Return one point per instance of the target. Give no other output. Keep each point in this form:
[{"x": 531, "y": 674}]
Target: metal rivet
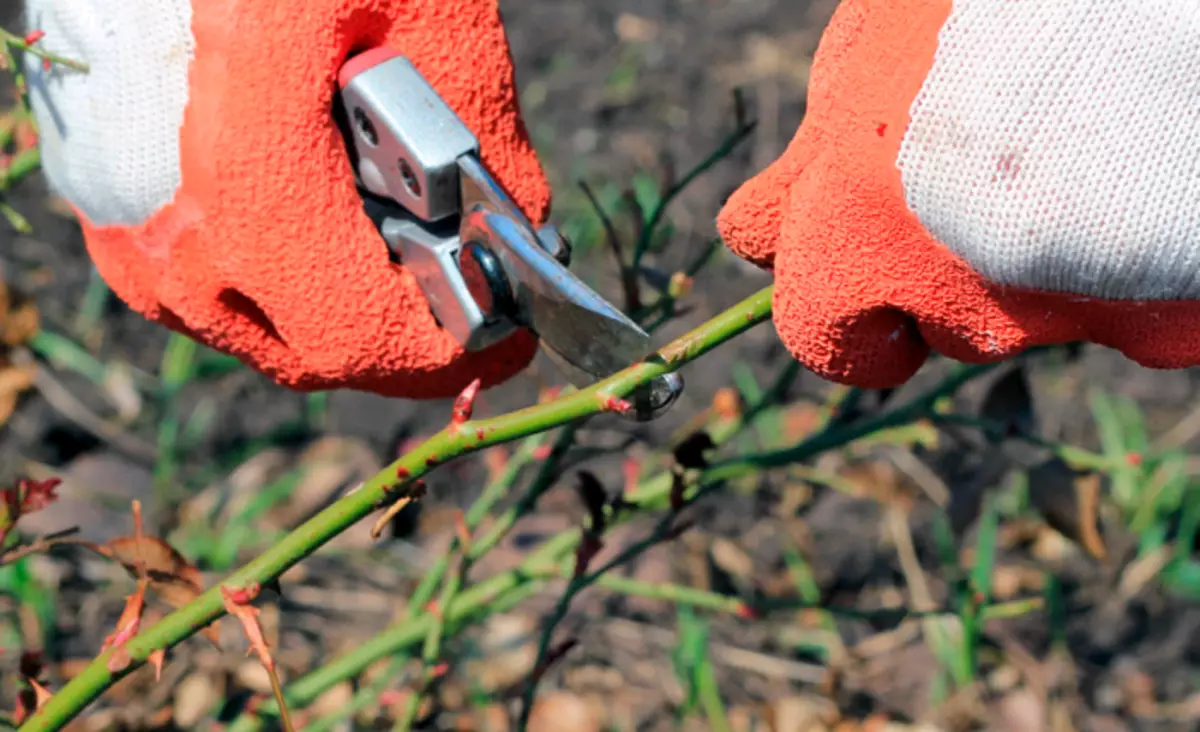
[
  {"x": 485, "y": 280},
  {"x": 410, "y": 178},
  {"x": 654, "y": 399},
  {"x": 365, "y": 127}
]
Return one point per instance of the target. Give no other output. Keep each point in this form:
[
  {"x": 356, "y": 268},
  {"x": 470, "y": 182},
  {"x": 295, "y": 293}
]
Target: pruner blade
[{"x": 483, "y": 267}]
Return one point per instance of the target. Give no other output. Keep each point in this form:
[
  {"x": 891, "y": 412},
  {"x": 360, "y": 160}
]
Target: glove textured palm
[
  {"x": 215, "y": 191},
  {"x": 979, "y": 177}
]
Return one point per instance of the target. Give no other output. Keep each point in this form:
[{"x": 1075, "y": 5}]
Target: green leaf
[
  {"x": 985, "y": 552},
  {"x": 746, "y": 383},
  {"x": 1114, "y": 438},
  {"x": 178, "y": 363}
]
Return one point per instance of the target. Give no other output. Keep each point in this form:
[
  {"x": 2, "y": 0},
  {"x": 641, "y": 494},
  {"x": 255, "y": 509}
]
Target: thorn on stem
[
  {"x": 610, "y": 403},
  {"x": 464, "y": 405},
  {"x": 415, "y": 491},
  {"x": 746, "y": 611},
  {"x": 237, "y": 602}
]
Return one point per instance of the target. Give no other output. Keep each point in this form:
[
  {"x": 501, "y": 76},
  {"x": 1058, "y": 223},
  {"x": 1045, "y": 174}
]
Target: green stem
[
  {"x": 447, "y": 444},
  {"x": 318, "y": 681},
  {"x": 651, "y": 493},
  {"x": 918, "y": 408},
  {"x": 363, "y": 698},
  {"x": 495, "y": 595},
  {"x": 432, "y": 649},
  {"x": 577, "y": 583},
  {"x": 20, "y": 166},
  {"x": 305, "y": 689},
  {"x": 727, "y": 146},
  {"x": 710, "y": 697},
  {"x": 12, "y": 40}
]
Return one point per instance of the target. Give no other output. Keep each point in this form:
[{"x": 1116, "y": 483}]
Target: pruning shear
[{"x": 482, "y": 266}]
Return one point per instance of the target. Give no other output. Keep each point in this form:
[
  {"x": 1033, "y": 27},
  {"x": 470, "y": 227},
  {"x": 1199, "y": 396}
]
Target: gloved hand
[
  {"x": 215, "y": 191},
  {"x": 984, "y": 176}
]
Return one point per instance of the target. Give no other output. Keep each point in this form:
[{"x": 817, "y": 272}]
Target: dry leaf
[
  {"x": 1069, "y": 502},
  {"x": 175, "y": 580},
  {"x": 13, "y": 381},
  {"x": 21, "y": 323}
]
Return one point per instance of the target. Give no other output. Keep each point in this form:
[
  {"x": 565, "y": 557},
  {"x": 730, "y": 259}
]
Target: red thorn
[
  {"x": 1134, "y": 459},
  {"x": 33, "y": 37},
  {"x": 747, "y": 612},
  {"x": 37, "y": 494},
  {"x": 542, "y": 452},
  {"x": 46, "y": 64},
  {"x": 439, "y": 670},
  {"x": 465, "y": 403},
  {"x": 480, "y": 434},
  {"x": 242, "y": 595},
  {"x": 611, "y": 403}
]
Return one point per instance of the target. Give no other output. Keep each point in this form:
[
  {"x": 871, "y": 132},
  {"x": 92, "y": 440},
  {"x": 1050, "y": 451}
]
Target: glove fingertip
[
  {"x": 870, "y": 347},
  {"x": 752, "y": 218}
]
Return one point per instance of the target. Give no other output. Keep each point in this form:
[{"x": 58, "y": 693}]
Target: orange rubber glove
[
  {"x": 215, "y": 190},
  {"x": 979, "y": 177}
]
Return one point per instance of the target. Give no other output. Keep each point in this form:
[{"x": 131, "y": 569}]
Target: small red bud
[
  {"x": 542, "y": 452},
  {"x": 465, "y": 403},
  {"x": 747, "y": 612},
  {"x": 610, "y": 403},
  {"x": 243, "y": 595}
]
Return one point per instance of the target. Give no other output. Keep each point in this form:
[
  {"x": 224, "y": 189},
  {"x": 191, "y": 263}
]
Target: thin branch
[
  {"x": 439, "y": 449},
  {"x": 629, "y": 280},
  {"x": 12, "y": 40}
]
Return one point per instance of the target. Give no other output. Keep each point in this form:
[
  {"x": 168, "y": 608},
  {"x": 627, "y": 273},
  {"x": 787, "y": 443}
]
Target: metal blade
[
  {"x": 583, "y": 328},
  {"x": 588, "y": 338}
]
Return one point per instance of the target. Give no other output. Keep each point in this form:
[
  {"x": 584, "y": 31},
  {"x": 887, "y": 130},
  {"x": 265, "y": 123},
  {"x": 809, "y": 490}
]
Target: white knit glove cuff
[{"x": 110, "y": 138}]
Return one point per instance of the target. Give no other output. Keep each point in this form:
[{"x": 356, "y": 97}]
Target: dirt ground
[{"x": 610, "y": 90}]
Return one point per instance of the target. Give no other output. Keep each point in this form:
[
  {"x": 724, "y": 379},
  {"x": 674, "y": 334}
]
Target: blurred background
[{"x": 1103, "y": 633}]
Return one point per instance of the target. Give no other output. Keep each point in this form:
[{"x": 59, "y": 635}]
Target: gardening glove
[
  {"x": 215, "y": 190},
  {"x": 979, "y": 177}
]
